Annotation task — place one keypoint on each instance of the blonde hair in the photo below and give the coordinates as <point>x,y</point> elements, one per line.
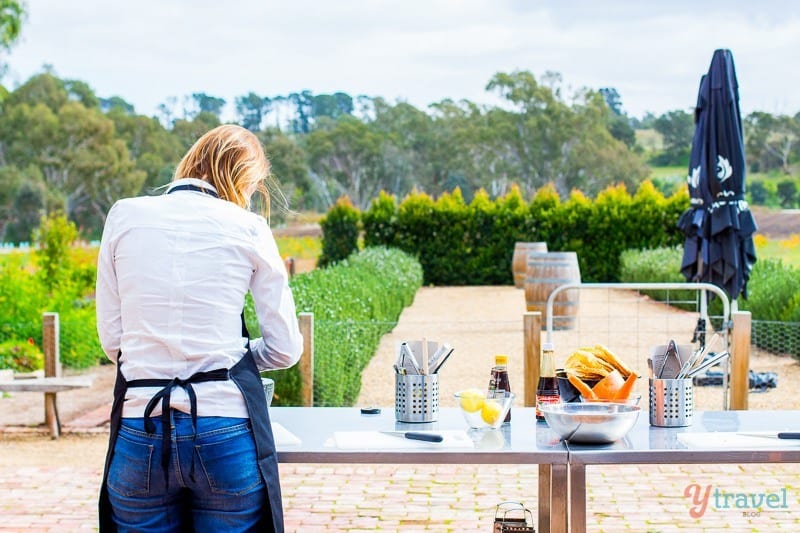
<point>231,159</point>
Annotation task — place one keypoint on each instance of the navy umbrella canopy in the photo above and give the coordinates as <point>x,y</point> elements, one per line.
<point>724,252</point>
<point>695,250</point>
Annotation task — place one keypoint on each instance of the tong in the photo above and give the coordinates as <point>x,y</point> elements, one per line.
<point>696,357</point>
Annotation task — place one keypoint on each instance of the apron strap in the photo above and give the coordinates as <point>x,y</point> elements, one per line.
<point>219,374</point>
<point>190,187</point>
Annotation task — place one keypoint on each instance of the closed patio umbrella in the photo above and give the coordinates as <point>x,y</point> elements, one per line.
<point>717,173</point>
<point>691,222</point>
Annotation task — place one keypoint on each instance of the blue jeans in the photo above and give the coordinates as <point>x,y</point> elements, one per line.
<point>227,493</point>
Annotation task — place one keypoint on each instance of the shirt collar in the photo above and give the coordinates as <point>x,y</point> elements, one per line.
<point>191,181</point>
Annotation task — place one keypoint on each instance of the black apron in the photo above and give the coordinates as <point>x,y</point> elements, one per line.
<point>246,376</point>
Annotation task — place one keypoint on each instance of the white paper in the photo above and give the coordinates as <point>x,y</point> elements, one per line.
<point>375,440</point>
<point>733,440</point>
<point>284,437</point>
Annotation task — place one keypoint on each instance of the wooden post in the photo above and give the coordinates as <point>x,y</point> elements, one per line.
<point>740,359</point>
<point>532,354</point>
<point>306,322</point>
<point>52,368</point>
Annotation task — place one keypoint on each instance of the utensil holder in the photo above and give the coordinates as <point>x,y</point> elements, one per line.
<point>416,397</point>
<point>671,402</point>
<point>269,389</point>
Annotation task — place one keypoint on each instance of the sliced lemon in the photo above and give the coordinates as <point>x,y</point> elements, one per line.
<point>471,400</point>
<point>491,411</point>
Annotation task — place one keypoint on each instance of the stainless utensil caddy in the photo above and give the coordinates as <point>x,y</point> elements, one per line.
<point>513,517</point>
<point>671,402</point>
<point>416,397</point>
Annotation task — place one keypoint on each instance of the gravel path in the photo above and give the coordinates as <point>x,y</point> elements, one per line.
<point>480,322</point>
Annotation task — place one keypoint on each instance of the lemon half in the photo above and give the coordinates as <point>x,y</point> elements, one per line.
<point>491,411</point>
<point>471,400</point>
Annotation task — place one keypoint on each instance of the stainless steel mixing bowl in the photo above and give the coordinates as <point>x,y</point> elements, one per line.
<point>591,423</point>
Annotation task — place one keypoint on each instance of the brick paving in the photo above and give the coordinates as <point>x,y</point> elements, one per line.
<point>48,496</point>
<point>405,498</point>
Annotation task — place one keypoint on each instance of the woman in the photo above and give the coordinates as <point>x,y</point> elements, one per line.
<point>191,444</point>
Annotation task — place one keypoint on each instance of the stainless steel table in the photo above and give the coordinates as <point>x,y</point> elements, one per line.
<point>655,445</point>
<point>524,442</point>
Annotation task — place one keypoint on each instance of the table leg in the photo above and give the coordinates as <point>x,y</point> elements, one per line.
<point>559,522</point>
<point>577,498</point>
<point>51,414</point>
<point>545,495</point>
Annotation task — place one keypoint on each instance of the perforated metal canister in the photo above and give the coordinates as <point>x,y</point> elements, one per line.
<point>671,402</point>
<point>416,397</point>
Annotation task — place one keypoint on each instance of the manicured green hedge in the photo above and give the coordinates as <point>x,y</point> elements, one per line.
<point>355,302</point>
<point>340,228</point>
<point>472,244</point>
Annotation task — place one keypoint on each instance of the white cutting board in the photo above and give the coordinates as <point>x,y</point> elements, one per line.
<point>283,437</point>
<point>732,440</point>
<point>375,440</point>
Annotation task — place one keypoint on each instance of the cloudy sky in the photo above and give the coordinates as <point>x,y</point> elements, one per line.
<point>420,51</point>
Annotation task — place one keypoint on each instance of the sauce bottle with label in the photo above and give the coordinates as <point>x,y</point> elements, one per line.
<point>547,388</point>
<point>498,382</point>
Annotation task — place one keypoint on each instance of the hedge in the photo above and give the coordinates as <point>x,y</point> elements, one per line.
<point>472,244</point>
<point>355,302</point>
<point>773,294</point>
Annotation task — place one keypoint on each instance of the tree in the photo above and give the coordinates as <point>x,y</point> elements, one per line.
<point>12,15</point>
<point>552,141</point>
<point>78,153</point>
<point>155,150</point>
<point>303,103</point>
<point>677,129</point>
<point>251,110</point>
<point>208,104</point>
<point>116,103</point>
<point>289,168</point>
<point>612,98</point>
<point>771,141</point>
<point>44,88</point>
<point>345,160</point>
<point>331,105</point>
<point>787,192</point>
<point>188,131</point>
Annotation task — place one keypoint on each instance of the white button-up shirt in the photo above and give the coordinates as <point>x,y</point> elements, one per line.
<point>172,275</point>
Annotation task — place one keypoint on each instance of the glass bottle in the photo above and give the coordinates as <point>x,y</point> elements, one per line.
<point>547,388</point>
<point>498,382</point>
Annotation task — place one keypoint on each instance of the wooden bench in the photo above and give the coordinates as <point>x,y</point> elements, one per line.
<point>49,386</point>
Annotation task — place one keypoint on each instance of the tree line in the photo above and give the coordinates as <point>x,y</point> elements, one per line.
<point>63,147</point>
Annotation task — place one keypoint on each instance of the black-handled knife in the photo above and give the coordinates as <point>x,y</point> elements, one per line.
<point>788,435</point>
<point>414,435</point>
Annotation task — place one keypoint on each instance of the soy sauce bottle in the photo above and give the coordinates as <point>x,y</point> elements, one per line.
<point>498,382</point>
<point>547,388</point>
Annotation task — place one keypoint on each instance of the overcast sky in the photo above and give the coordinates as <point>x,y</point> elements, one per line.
<point>420,51</point>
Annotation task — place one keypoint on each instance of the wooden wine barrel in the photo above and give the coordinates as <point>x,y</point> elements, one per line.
<point>519,261</point>
<point>546,271</point>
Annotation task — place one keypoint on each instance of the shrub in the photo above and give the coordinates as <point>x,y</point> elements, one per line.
<point>460,244</point>
<point>339,232</point>
<point>773,294</point>
<point>354,303</point>
<point>21,356</point>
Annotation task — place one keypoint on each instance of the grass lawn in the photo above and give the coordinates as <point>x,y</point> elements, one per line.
<point>787,250</point>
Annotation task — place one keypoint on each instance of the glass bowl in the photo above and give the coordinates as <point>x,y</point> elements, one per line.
<point>481,412</point>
